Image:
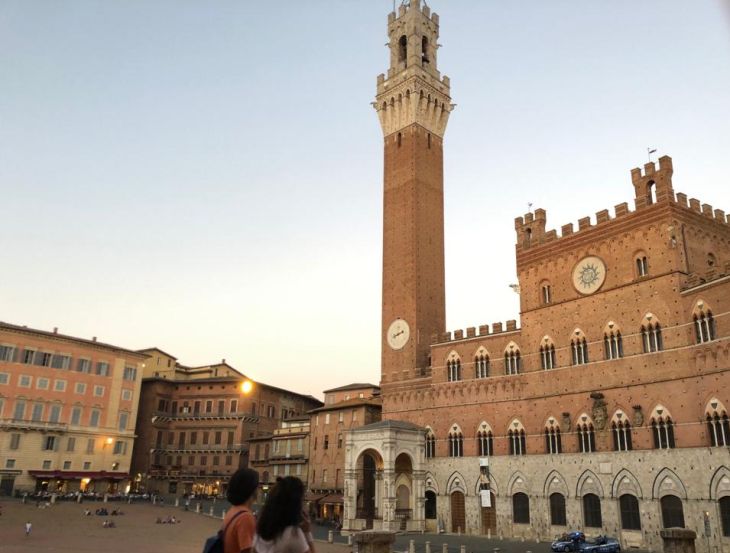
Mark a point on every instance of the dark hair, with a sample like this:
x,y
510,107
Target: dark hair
x,y
242,486
283,508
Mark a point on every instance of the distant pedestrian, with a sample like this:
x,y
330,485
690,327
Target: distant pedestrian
x,y
28,528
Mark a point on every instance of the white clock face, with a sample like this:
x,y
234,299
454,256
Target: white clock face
x,y
589,275
398,334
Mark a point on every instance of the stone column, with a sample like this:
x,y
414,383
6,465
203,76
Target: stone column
x,y
374,541
350,496
419,499
388,502
678,540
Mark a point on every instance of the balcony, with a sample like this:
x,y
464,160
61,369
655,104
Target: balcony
x,y
23,424
159,416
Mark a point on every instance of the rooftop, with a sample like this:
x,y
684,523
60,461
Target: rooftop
x,y
356,386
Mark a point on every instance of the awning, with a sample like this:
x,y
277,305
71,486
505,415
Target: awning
x,y
78,475
333,499
311,496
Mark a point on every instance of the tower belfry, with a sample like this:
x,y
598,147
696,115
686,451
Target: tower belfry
x,y
413,104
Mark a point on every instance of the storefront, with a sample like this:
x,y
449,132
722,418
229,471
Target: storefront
x,y
331,507
61,481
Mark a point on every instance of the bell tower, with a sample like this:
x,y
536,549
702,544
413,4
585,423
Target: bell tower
x,y
413,105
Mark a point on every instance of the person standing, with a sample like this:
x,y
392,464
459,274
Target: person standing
x,y
28,528
239,524
283,526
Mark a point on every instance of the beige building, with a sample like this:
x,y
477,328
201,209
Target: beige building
x,y
67,412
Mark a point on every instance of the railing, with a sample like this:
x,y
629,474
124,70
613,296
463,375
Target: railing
x,y
171,448
34,425
168,417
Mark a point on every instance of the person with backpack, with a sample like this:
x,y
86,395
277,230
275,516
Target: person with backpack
x,y
283,526
239,525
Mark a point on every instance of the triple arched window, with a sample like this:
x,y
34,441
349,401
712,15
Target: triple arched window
x,y
481,364
453,368
512,361
621,430
579,348
517,439
651,335
553,444
586,435
430,445
547,354
718,425
704,326
662,428
613,345
456,442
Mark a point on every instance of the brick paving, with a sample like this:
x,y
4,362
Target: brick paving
x,y
63,528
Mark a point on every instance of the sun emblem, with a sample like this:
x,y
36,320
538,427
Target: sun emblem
x,y
589,275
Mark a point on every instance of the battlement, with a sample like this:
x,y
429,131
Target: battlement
x,y
403,9
652,186
474,332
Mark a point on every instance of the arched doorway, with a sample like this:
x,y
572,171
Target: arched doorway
x,y
458,513
404,483
489,516
369,468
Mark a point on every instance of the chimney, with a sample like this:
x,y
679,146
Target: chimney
x,y
223,361
55,330
93,338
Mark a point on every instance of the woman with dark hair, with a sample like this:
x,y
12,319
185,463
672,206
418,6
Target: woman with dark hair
x,y
239,525
283,526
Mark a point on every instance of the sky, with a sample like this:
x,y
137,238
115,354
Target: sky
x,y
206,177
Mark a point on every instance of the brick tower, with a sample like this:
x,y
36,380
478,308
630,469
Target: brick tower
x,y
413,105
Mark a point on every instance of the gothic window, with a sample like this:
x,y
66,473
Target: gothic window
x,y
547,354
424,50
718,425
662,428
403,49
517,439
592,511
520,508
630,515
704,324
621,430
579,348
725,515
481,364
456,442
512,362
553,444
430,505
485,441
651,335
557,509
672,512
453,368
430,445
642,266
613,345
586,435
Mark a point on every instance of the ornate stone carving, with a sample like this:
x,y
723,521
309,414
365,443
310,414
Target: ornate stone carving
x,y
565,423
638,416
600,411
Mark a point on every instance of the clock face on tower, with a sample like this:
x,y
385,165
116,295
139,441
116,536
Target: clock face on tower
x,y
398,334
589,275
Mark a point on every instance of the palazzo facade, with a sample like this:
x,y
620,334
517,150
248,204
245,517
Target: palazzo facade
x,y
604,410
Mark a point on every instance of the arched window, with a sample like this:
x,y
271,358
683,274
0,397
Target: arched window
x,y
546,293
630,515
520,508
586,435
672,512
557,509
517,439
512,363
547,354
424,50
485,441
579,347
704,324
453,368
430,505
403,49
651,334
481,364
621,430
642,266
456,442
718,425
725,515
430,445
662,428
592,511
650,192
613,346
553,444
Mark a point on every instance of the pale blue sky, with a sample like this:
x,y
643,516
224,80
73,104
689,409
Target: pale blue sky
x,y
206,176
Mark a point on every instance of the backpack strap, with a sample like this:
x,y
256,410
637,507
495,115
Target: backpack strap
x,y
225,528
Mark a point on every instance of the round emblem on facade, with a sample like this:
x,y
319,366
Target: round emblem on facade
x,y
589,275
398,334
